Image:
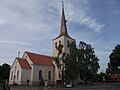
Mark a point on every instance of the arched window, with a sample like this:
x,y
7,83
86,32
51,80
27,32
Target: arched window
x,y
17,74
55,44
14,78
11,75
59,75
40,74
49,75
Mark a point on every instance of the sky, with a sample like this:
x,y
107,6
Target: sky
x,y
30,25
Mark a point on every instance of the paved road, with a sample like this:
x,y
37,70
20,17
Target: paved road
x,y
100,86
103,86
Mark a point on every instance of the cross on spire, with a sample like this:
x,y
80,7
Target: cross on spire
x,y
62,3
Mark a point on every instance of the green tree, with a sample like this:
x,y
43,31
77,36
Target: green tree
x,y
114,64
88,62
58,57
4,71
102,76
80,62
71,64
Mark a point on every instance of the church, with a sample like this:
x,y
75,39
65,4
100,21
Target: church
x,y
36,69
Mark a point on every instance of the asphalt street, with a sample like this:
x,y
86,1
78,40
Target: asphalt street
x,y
97,86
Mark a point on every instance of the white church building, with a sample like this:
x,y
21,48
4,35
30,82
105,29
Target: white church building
x,y
31,69
35,68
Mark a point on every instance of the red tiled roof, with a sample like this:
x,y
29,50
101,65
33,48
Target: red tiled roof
x,y
23,63
115,76
40,59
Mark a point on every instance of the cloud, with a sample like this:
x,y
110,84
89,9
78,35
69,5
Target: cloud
x,y
30,25
92,23
23,26
14,42
83,15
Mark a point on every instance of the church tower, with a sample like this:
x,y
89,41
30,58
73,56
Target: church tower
x,y
63,39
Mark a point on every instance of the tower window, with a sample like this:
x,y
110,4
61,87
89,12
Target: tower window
x,y
68,43
55,44
59,42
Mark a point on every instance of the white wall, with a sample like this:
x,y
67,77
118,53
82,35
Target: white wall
x,y
29,74
55,52
14,69
26,75
45,70
64,41
25,56
66,48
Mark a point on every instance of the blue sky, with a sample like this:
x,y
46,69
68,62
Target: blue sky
x,y
30,25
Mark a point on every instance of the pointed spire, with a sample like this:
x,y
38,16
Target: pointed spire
x,y
63,30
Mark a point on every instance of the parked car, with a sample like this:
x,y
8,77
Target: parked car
x,y
4,87
69,84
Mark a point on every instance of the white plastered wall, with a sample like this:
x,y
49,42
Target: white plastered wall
x,y
64,41
13,77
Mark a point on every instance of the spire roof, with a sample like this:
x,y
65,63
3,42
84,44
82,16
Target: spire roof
x,y
63,30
